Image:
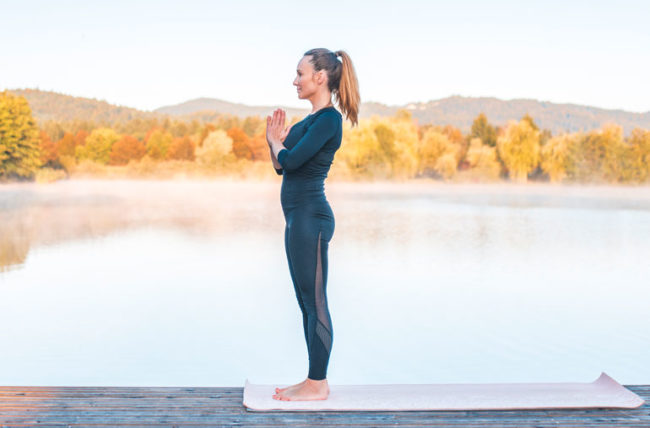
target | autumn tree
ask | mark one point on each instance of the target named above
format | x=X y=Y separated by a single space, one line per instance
x=80 y=137
x=437 y=153
x=639 y=154
x=557 y=156
x=216 y=150
x=66 y=145
x=157 y=143
x=528 y=118
x=519 y=149
x=599 y=156
x=181 y=148
x=386 y=139
x=240 y=143
x=19 y=138
x=360 y=150
x=482 y=159
x=209 y=127
x=253 y=125
x=405 y=129
x=49 y=155
x=482 y=129
x=126 y=149
x=98 y=146
x=259 y=147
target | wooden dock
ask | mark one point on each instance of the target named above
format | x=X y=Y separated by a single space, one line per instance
x=222 y=406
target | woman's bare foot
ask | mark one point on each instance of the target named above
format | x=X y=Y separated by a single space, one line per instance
x=277 y=390
x=309 y=390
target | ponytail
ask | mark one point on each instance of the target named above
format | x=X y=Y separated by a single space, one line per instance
x=341 y=78
x=347 y=95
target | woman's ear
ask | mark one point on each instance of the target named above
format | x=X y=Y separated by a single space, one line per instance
x=320 y=77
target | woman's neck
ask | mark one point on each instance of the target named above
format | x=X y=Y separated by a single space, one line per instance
x=324 y=100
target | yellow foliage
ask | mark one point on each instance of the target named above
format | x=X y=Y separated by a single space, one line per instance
x=519 y=149
x=639 y=154
x=216 y=150
x=48 y=175
x=446 y=165
x=360 y=148
x=482 y=159
x=556 y=156
x=433 y=146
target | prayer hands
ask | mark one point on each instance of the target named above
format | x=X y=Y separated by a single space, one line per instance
x=275 y=130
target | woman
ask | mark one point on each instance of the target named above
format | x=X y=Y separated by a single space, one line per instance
x=302 y=154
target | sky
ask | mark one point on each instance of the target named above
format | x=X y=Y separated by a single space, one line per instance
x=148 y=54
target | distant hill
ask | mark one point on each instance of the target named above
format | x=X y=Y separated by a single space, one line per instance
x=215 y=105
x=48 y=105
x=461 y=111
x=456 y=110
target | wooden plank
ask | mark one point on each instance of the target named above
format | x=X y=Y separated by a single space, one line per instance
x=222 y=406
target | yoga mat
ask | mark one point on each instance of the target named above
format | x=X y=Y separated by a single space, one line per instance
x=602 y=392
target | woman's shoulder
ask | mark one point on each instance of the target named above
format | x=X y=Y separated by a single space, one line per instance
x=327 y=114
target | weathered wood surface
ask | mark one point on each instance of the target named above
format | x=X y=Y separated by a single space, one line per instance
x=222 y=406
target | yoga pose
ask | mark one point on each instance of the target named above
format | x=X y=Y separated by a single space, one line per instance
x=303 y=154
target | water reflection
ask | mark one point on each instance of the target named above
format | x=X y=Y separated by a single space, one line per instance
x=186 y=283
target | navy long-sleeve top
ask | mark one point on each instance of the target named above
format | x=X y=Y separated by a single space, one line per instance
x=309 y=153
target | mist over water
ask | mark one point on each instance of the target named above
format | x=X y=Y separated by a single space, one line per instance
x=118 y=282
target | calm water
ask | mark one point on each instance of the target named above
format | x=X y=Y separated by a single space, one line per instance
x=186 y=283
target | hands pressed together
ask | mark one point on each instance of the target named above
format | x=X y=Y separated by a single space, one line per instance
x=275 y=129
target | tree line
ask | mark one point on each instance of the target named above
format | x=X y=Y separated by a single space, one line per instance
x=395 y=147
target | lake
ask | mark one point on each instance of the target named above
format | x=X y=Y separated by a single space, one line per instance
x=186 y=283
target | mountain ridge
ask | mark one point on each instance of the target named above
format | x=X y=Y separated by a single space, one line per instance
x=456 y=110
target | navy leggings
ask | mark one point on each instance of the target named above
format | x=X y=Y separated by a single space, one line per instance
x=307 y=234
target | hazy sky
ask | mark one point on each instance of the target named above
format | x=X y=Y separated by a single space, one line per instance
x=147 y=54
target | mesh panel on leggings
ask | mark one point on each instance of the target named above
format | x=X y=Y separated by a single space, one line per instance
x=323 y=327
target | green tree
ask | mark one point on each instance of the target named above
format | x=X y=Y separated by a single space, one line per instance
x=519 y=149
x=483 y=130
x=19 y=138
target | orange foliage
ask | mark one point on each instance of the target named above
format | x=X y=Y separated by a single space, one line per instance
x=125 y=149
x=181 y=148
x=48 y=149
x=240 y=143
x=151 y=131
x=260 y=148
x=204 y=134
x=80 y=138
x=65 y=146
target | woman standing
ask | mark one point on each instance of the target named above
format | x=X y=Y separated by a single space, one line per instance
x=303 y=154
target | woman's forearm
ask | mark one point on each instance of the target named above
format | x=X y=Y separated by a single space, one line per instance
x=274 y=159
x=276 y=147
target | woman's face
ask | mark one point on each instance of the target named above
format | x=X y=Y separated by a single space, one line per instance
x=307 y=80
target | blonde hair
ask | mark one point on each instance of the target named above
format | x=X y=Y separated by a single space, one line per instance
x=342 y=79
